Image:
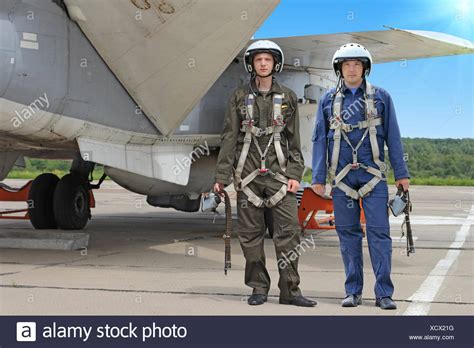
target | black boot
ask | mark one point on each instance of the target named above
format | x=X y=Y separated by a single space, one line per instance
x=299 y=301
x=257 y=299
x=385 y=303
x=352 y=301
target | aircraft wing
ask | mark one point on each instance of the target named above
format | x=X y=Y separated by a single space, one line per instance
x=168 y=53
x=316 y=51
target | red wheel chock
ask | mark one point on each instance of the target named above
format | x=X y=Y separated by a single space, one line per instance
x=310 y=205
x=8 y=194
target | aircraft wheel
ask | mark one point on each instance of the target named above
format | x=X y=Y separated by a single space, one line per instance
x=40 y=201
x=71 y=203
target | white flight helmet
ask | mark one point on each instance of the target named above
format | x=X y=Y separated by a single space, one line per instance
x=351 y=51
x=264 y=46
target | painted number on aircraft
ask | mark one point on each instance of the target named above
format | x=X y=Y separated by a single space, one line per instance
x=141 y=4
x=162 y=6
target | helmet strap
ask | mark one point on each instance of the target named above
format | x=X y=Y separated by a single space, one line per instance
x=270 y=74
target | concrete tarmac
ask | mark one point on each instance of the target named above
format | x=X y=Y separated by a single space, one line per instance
x=143 y=260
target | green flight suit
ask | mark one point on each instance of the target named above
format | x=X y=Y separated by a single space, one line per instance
x=251 y=225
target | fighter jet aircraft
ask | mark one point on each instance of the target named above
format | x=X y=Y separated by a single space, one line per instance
x=141 y=87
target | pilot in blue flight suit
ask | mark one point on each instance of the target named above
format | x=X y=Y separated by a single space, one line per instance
x=354 y=121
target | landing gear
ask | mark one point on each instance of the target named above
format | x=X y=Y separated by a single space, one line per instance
x=40 y=202
x=55 y=203
x=71 y=203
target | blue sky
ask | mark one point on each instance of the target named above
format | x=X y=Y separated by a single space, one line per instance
x=433 y=97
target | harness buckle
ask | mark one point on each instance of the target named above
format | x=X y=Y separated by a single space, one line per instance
x=335 y=122
x=372 y=112
x=355 y=166
x=260 y=132
x=349 y=127
x=278 y=122
x=264 y=171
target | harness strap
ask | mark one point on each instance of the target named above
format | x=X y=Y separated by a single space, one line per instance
x=263 y=155
x=336 y=123
x=247 y=126
x=341 y=128
x=267 y=202
x=347 y=127
x=369 y=186
x=375 y=149
x=252 y=133
x=279 y=152
x=372 y=114
x=375 y=172
x=242 y=158
x=348 y=191
x=354 y=150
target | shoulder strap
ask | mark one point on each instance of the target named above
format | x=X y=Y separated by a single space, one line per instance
x=249 y=101
x=371 y=110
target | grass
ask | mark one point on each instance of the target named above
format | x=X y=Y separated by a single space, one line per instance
x=31 y=174
x=434 y=181
x=429 y=181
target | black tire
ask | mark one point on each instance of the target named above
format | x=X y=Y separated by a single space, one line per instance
x=268 y=216
x=71 y=203
x=40 y=202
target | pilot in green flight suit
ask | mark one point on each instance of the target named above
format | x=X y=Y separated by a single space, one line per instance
x=261 y=146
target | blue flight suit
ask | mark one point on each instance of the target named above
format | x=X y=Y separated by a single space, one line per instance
x=346 y=209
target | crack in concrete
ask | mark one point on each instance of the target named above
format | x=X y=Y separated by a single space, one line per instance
x=163 y=292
